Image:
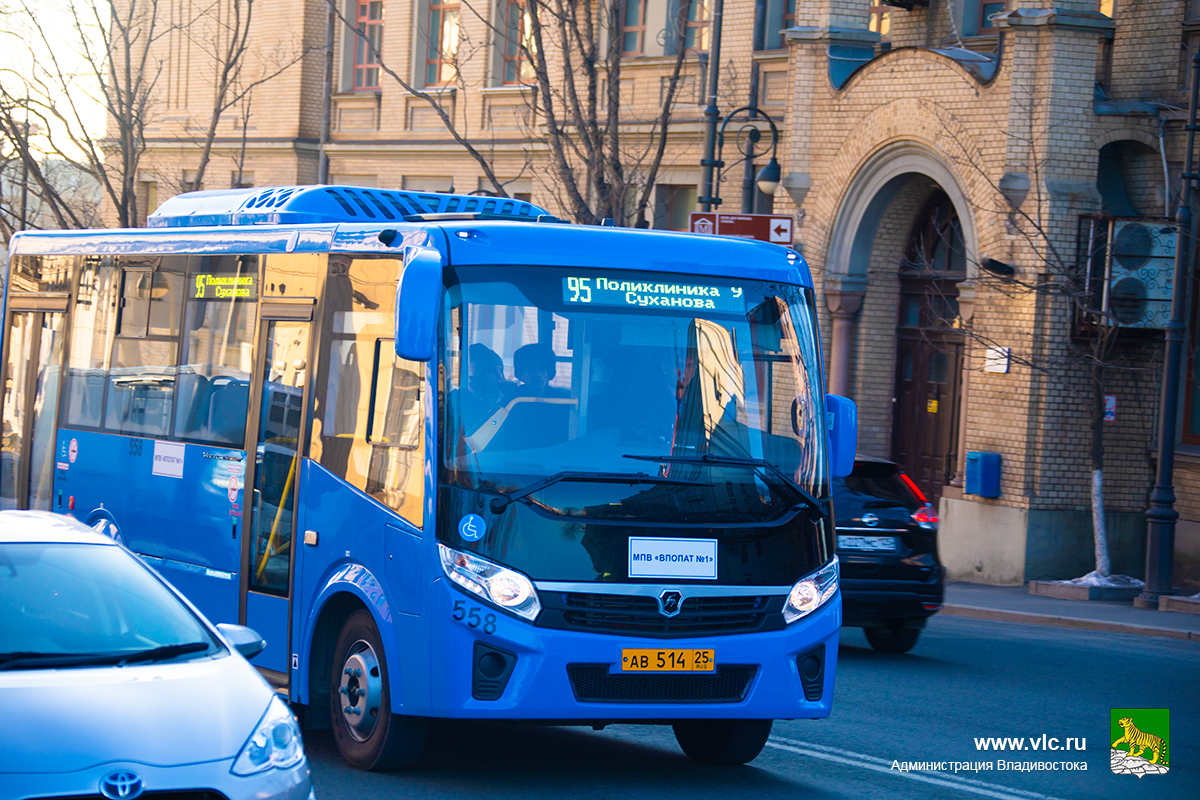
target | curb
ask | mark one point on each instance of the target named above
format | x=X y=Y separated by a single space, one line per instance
x=973 y=612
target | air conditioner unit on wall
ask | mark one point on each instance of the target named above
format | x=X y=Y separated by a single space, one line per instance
x=1140 y=273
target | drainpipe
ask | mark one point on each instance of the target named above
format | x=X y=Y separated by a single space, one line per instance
x=326 y=100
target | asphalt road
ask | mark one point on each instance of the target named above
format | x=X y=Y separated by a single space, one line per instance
x=965 y=678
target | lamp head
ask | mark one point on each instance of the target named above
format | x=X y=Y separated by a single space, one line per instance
x=768 y=177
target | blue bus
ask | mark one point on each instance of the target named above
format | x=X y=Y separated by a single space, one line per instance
x=449 y=456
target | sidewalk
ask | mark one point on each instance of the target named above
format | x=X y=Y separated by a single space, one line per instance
x=1014 y=604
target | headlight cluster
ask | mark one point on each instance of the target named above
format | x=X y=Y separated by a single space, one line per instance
x=810 y=593
x=499 y=585
x=275 y=743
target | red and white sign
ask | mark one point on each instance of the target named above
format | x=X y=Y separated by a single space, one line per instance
x=233 y=488
x=773 y=228
x=73 y=451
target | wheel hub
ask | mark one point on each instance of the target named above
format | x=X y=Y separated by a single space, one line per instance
x=361 y=690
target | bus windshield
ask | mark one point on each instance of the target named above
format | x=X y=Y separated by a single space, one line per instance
x=554 y=372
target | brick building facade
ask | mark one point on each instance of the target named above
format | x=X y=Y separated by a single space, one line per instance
x=926 y=152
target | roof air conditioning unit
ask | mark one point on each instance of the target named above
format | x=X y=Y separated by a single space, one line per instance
x=1140 y=275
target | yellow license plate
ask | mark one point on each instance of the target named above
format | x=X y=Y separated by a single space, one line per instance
x=667 y=661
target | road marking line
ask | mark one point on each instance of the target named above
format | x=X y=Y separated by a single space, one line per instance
x=876 y=764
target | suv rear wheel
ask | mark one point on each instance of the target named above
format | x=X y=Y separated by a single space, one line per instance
x=723 y=741
x=892 y=639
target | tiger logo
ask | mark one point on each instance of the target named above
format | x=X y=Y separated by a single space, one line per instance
x=1139 y=741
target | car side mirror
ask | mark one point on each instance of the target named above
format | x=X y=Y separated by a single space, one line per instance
x=244 y=640
x=842 y=416
x=418 y=302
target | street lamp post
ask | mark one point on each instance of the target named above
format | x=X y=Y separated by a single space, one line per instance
x=1161 y=515
x=711 y=112
x=748 y=137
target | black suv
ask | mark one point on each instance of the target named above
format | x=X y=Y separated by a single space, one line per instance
x=891 y=579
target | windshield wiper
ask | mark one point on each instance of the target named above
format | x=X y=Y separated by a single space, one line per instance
x=25 y=658
x=164 y=652
x=500 y=503
x=28 y=658
x=809 y=498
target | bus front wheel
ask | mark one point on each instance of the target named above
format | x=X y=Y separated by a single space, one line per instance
x=368 y=735
x=723 y=741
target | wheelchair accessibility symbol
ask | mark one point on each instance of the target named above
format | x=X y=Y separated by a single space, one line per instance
x=472 y=527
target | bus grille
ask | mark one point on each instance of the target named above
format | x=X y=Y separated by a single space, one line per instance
x=635 y=615
x=593 y=683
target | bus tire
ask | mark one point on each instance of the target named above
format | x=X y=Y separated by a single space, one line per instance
x=368 y=735
x=892 y=639
x=723 y=741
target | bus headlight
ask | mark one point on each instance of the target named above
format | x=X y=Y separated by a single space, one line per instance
x=499 y=585
x=811 y=592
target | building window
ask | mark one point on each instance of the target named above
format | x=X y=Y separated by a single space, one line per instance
x=988 y=9
x=673 y=206
x=695 y=34
x=773 y=88
x=633 y=28
x=441 y=65
x=367 y=45
x=880 y=21
x=780 y=14
x=1187 y=46
x=518 y=43
x=1106 y=7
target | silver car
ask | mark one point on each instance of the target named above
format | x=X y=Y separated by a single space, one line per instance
x=113 y=686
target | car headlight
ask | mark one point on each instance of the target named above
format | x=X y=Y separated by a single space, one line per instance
x=811 y=592
x=499 y=585
x=275 y=743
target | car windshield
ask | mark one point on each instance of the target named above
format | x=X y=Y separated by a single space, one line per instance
x=556 y=370
x=67 y=600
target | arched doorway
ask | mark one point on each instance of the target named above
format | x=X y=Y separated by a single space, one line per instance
x=929 y=348
x=903 y=237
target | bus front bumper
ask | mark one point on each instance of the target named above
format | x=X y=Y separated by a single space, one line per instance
x=569 y=676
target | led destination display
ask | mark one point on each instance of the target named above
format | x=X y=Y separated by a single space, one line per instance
x=649 y=290
x=225 y=287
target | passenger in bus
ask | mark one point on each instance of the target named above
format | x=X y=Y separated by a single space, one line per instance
x=487 y=388
x=535 y=366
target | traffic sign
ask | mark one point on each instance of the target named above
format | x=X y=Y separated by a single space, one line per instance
x=774 y=228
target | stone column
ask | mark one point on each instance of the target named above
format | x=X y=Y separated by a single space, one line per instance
x=844 y=305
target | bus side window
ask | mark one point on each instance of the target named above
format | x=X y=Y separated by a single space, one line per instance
x=212 y=393
x=92 y=327
x=140 y=390
x=368 y=418
x=396 y=413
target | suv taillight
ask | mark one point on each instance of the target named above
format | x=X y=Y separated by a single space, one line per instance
x=926 y=516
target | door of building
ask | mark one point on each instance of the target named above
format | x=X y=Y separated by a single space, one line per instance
x=929 y=350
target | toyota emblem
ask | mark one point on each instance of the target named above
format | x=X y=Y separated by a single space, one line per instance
x=870 y=520
x=121 y=785
x=669 y=603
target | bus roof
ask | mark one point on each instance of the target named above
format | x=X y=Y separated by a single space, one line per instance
x=469 y=240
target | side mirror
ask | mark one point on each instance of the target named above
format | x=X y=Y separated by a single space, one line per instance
x=842 y=414
x=418 y=302
x=244 y=640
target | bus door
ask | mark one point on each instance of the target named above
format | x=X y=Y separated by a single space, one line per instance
x=276 y=441
x=31 y=364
